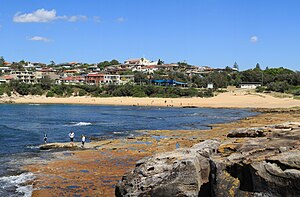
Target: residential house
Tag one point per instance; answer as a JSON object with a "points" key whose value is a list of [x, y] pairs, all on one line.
{"points": [[48, 72], [249, 85], [140, 61], [94, 78], [69, 73], [6, 79], [5, 69], [72, 80], [7, 64], [168, 67], [112, 79], [28, 77]]}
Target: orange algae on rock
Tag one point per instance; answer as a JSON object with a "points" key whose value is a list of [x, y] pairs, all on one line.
{"points": [[95, 172]]}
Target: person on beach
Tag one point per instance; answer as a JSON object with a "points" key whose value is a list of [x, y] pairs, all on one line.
{"points": [[45, 138], [71, 135], [82, 140]]}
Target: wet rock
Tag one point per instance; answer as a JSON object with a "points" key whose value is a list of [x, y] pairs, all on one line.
{"points": [[245, 132], [69, 146], [295, 110]]}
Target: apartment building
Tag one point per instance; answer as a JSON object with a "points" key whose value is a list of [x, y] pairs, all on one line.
{"points": [[28, 77]]}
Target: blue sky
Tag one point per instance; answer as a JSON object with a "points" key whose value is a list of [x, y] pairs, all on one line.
{"points": [[201, 32]]}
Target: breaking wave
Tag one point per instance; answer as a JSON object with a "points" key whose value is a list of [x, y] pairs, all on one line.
{"points": [[81, 123], [18, 183]]}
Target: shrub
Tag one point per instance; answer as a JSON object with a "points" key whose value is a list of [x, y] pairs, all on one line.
{"points": [[82, 92], [8, 92], [139, 94], [278, 86], [23, 89], [296, 92], [50, 94], [36, 90], [260, 89], [1, 90], [206, 93]]}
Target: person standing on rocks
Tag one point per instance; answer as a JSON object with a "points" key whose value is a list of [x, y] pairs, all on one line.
{"points": [[45, 138], [71, 135], [82, 140]]}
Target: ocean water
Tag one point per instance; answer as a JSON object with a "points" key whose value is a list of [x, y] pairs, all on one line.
{"points": [[22, 128]]}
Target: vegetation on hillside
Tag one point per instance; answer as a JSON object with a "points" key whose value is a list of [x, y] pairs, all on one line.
{"points": [[63, 90], [272, 79]]}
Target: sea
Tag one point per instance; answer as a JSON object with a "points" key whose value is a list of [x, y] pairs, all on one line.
{"points": [[22, 127]]}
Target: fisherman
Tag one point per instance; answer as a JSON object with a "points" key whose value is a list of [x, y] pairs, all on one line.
{"points": [[71, 135], [45, 138], [82, 140]]}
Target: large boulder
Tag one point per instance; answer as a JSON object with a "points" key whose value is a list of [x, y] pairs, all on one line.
{"points": [[178, 173], [252, 162]]}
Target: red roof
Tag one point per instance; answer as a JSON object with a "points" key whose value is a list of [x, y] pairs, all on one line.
{"points": [[70, 71], [73, 78], [150, 66], [46, 70], [95, 75], [8, 77]]}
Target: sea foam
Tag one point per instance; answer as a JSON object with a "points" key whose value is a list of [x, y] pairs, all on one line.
{"points": [[18, 182], [81, 123]]}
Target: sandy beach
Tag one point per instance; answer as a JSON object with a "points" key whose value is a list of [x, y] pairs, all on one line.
{"points": [[236, 99]]}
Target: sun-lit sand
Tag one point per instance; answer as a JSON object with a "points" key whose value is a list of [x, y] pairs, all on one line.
{"points": [[236, 99]]}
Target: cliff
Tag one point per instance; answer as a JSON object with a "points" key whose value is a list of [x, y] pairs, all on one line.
{"points": [[262, 161]]}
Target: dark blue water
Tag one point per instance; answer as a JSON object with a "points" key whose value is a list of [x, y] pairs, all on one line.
{"points": [[22, 126]]}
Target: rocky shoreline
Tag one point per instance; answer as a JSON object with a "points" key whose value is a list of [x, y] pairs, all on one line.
{"points": [[263, 161], [99, 168]]}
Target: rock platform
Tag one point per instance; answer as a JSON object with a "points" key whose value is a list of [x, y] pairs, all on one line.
{"points": [[260, 161]]}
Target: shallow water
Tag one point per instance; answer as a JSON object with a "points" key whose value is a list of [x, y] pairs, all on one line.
{"points": [[22, 128]]}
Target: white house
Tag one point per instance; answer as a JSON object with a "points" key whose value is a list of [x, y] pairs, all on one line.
{"points": [[112, 79], [210, 86], [28, 77], [140, 61], [250, 85]]}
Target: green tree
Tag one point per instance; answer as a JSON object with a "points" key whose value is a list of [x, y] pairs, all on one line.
{"points": [[278, 86], [81, 92], [46, 83], [251, 75], [52, 63], [140, 78], [236, 66], [22, 62], [103, 64], [114, 62], [160, 62], [2, 61], [50, 94], [228, 69], [257, 66]]}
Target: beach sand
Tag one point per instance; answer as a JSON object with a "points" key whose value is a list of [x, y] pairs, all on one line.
{"points": [[233, 99]]}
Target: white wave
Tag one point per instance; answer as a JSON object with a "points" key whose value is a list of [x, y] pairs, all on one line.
{"points": [[25, 190], [81, 123], [118, 132], [19, 182], [32, 147]]}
